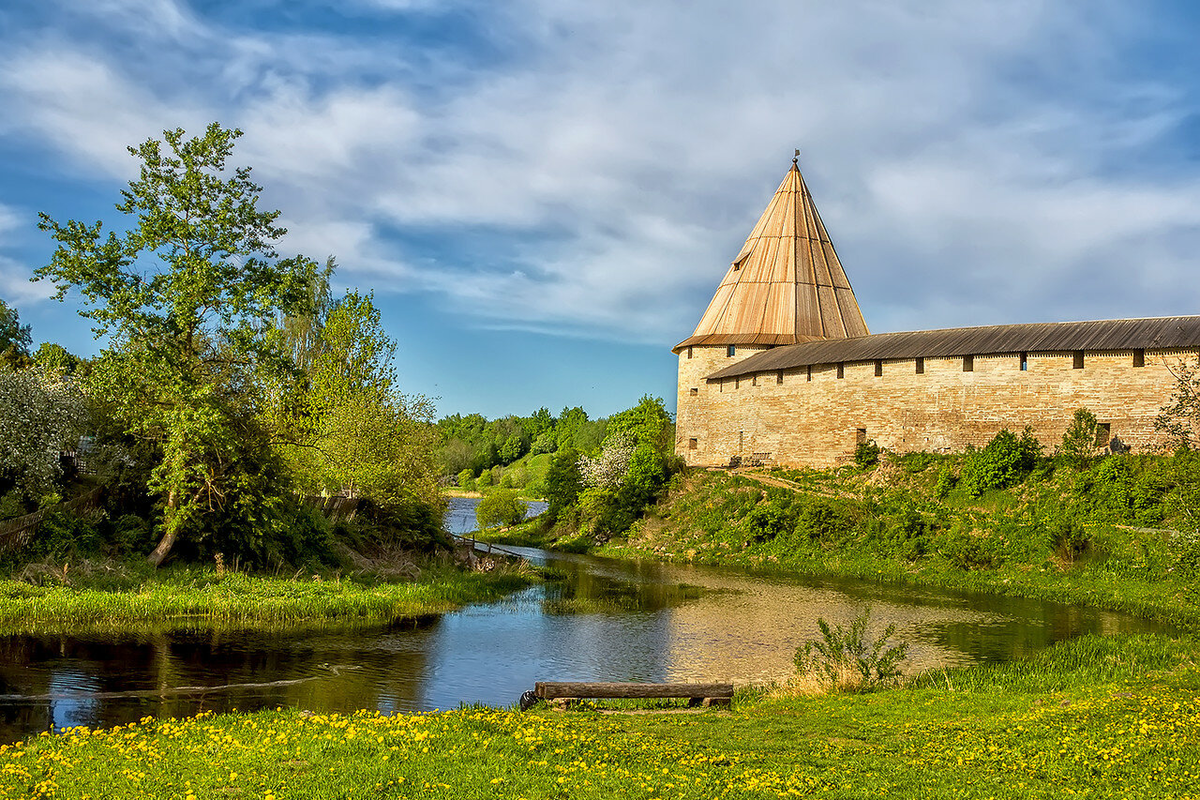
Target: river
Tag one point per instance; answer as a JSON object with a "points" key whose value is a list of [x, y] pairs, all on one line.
{"points": [[643, 622]]}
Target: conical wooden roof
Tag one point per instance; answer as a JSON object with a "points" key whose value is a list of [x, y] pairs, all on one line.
{"points": [[787, 284]]}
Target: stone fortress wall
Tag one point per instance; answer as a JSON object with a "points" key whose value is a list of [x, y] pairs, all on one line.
{"points": [[811, 417]]}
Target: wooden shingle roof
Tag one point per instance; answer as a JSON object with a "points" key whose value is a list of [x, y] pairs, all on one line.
{"points": [[1158, 333], [786, 285]]}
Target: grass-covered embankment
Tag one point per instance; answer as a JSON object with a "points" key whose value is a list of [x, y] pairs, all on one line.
{"points": [[1094, 717], [1100, 535], [204, 598]]}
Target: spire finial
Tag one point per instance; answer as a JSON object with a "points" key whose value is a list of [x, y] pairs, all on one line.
{"points": [[796, 160]]}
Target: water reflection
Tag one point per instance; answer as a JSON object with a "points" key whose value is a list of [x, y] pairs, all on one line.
{"points": [[649, 622]]}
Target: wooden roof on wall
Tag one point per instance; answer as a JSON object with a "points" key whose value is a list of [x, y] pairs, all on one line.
{"points": [[1158, 333], [786, 285]]}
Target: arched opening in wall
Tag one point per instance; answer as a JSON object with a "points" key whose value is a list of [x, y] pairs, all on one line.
{"points": [[860, 436], [968, 363], [731, 351], [1103, 433], [779, 376], [878, 367], [754, 380], [1139, 358], [920, 365], [1024, 362], [1077, 360], [689, 351], [693, 444]]}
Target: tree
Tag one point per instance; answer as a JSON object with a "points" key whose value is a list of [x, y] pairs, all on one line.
{"points": [[1079, 441], [188, 294], [39, 416], [1179, 420], [15, 338], [498, 508], [54, 359]]}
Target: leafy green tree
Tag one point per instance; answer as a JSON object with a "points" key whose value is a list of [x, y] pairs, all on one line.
{"points": [[466, 480], [15, 339], [54, 359], [1179, 420], [187, 294], [40, 415], [501, 507], [1079, 441]]}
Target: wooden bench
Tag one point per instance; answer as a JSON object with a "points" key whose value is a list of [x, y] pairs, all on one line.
{"points": [[564, 693]]}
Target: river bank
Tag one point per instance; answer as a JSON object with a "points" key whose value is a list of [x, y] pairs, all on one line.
{"points": [[1095, 717], [204, 598], [1052, 539]]}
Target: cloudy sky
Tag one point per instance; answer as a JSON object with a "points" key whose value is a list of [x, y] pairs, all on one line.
{"points": [[543, 194]]}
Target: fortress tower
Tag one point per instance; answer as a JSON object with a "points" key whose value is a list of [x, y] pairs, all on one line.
{"points": [[785, 286], [782, 369]]}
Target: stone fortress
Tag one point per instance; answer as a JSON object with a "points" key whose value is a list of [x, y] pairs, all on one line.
{"points": [[782, 370]]}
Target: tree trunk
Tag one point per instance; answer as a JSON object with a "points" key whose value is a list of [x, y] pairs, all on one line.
{"points": [[171, 530]]}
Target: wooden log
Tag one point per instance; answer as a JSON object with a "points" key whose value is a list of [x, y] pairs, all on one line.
{"points": [[551, 690]]}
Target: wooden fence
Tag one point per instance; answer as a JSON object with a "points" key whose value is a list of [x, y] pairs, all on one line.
{"points": [[16, 532]]}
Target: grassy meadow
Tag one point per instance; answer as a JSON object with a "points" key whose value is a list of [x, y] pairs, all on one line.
{"points": [[1091, 718]]}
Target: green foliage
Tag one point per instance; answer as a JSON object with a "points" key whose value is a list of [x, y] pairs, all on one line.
{"points": [[466, 480], [14, 339], [1079, 441], [845, 659], [500, 508], [866, 454], [564, 481], [40, 414], [1179, 420], [53, 359], [1003, 462], [917, 462], [946, 481], [187, 293]]}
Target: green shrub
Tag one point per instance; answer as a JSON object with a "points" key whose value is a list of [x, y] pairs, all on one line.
{"points": [[1003, 462], [916, 463], [844, 659], [823, 519], [1079, 442], [466, 480], [771, 518], [946, 481], [866, 454]]}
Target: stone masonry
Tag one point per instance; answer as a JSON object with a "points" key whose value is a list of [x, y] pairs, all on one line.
{"points": [[810, 416]]}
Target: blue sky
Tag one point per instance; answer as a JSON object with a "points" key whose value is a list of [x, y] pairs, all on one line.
{"points": [[543, 194]]}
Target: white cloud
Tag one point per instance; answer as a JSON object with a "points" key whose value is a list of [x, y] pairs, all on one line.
{"points": [[622, 150], [15, 286]]}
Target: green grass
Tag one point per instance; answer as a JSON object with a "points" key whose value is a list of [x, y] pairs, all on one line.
{"points": [[976, 733], [843, 524], [202, 598]]}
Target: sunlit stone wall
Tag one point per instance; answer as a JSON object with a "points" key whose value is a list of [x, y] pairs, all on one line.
{"points": [[817, 420]]}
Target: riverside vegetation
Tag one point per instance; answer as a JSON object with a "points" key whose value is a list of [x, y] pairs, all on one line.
{"points": [[235, 395]]}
